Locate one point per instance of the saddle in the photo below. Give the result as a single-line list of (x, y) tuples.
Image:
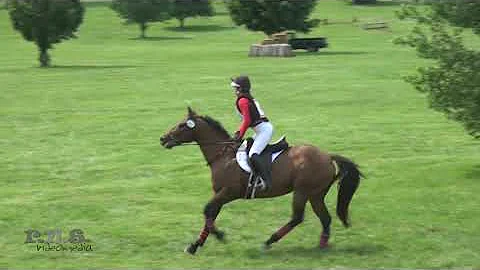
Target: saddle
[(268, 156), (277, 146)]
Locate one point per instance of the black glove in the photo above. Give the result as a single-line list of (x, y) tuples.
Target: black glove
[(236, 137)]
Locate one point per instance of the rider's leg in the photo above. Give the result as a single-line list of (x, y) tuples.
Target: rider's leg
[(263, 135)]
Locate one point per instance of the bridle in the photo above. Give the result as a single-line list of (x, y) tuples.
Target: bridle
[(179, 143)]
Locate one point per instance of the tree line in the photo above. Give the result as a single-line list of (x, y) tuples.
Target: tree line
[(48, 22), (452, 82)]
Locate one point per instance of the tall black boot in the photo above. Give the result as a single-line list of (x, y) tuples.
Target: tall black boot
[(261, 168)]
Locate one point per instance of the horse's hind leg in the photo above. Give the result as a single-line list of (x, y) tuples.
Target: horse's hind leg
[(320, 209), (219, 234), (299, 201)]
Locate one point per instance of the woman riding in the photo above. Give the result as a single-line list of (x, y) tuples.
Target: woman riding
[(253, 116)]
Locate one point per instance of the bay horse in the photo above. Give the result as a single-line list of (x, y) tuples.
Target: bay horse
[(303, 169)]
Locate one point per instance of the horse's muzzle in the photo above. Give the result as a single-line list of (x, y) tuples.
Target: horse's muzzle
[(168, 142), (162, 140)]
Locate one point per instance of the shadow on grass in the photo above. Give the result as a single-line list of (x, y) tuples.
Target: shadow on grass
[(379, 3), (222, 13), (159, 38), (85, 67), (199, 28), (65, 67), (474, 173), (99, 3), (315, 252), (326, 53)]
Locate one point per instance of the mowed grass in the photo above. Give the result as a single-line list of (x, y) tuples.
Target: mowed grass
[(79, 147)]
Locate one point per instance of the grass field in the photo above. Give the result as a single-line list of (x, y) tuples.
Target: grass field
[(79, 147)]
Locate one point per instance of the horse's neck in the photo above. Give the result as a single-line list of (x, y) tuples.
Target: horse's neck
[(213, 146)]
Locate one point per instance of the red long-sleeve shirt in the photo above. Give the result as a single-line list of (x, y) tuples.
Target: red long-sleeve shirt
[(247, 120)]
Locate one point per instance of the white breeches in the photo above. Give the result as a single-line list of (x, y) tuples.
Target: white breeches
[(263, 135)]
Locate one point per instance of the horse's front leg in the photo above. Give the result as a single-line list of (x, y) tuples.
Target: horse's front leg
[(211, 211)]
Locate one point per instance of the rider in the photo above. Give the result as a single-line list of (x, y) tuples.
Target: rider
[(253, 116)]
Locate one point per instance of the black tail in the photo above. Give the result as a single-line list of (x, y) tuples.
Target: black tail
[(349, 181)]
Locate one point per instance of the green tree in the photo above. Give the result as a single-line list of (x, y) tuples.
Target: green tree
[(182, 9), (142, 12), (452, 83), (271, 16), (46, 22), (462, 13)]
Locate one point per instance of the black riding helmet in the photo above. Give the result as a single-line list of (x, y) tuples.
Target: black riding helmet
[(242, 83)]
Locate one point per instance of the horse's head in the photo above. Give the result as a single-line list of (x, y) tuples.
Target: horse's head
[(183, 132)]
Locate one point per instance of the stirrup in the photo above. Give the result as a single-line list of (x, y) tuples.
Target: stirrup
[(260, 183), (255, 182)]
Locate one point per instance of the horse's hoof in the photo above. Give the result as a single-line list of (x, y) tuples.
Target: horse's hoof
[(191, 249), (220, 236), (324, 241), (267, 246)]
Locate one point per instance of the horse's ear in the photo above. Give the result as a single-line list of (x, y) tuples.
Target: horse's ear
[(191, 112)]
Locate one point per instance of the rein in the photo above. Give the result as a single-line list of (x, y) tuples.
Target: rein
[(221, 154), (228, 144), (207, 143), (179, 143)]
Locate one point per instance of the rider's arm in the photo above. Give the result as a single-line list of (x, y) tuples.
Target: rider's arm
[(243, 105)]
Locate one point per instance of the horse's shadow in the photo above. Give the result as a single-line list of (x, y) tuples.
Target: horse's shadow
[(315, 252)]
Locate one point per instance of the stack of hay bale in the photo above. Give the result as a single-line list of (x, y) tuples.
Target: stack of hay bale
[(276, 46)]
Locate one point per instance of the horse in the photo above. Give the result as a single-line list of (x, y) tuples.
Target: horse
[(302, 169)]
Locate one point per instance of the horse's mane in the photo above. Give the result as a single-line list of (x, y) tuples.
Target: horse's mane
[(215, 124)]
